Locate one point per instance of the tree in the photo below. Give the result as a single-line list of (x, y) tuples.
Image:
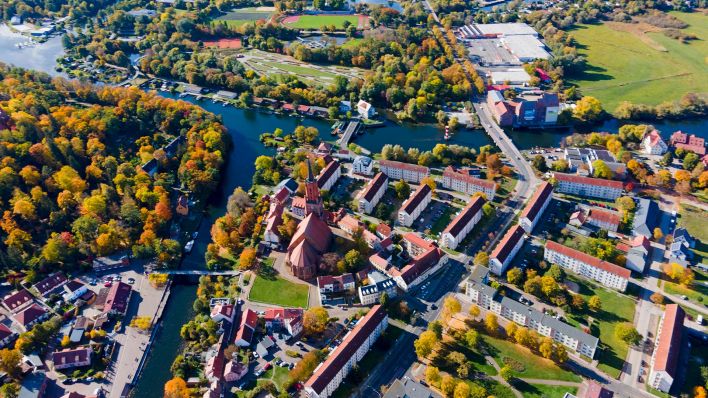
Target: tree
[(10, 361), (657, 298), (429, 181), (474, 311), (515, 276), (699, 392), (676, 272), (65, 341), (471, 338), (588, 109), (247, 259), (506, 373), (539, 163), (447, 385), (600, 169), (690, 161), (403, 190), (481, 258), (595, 304), (556, 272), (10, 390), (627, 333), (352, 260), (578, 303), (546, 348), (462, 390), (176, 388), (437, 328), (658, 234), (315, 321), (432, 375), (425, 343), (451, 306), (491, 323)]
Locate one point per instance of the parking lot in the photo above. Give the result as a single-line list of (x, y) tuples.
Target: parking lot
[(435, 217)]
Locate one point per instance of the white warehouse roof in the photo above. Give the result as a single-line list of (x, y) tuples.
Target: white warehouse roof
[(506, 29), (525, 47), (513, 76)]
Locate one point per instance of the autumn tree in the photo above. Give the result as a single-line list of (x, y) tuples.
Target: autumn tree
[(176, 388), (10, 361), (315, 321), (491, 323), (481, 258), (425, 343), (247, 259), (657, 298), (627, 333), (451, 306), (595, 304)]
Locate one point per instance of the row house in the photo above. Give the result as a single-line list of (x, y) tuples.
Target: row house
[(536, 206), (7, 336), (413, 206), (403, 171), (458, 180), (607, 274), (247, 328), (479, 292), (351, 225), (329, 375), (72, 358), (51, 284), (463, 224), (587, 186), (505, 250), (329, 285), (370, 196), (665, 358), (329, 175)]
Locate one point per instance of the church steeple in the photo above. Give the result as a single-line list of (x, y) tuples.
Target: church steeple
[(313, 200)]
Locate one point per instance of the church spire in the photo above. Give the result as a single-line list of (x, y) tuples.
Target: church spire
[(310, 176)]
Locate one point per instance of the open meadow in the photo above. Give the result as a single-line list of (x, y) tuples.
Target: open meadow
[(638, 63), (240, 16), (317, 21)]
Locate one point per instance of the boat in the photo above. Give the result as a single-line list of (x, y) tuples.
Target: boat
[(447, 133), (188, 247)]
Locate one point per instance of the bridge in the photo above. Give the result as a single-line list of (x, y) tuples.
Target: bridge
[(352, 128), (198, 272)]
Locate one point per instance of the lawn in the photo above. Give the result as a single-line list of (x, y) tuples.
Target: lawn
[(616, 309), (698, 358), (534, 367), (317, 21), (697, 291), (442, 222), (272, 289), (632, 67), (240, 16), (542, 390), (299, 70), (694, 220)]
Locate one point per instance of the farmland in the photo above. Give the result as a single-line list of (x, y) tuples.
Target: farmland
[(639, 66)]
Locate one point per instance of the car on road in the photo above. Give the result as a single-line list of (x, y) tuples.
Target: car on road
[(69, 381), (108, 284), (131, 281), (433, 307)]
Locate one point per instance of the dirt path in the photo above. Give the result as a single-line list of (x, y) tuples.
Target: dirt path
[(639, 30)]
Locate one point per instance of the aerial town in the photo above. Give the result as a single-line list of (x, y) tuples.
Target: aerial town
[(362, 198)]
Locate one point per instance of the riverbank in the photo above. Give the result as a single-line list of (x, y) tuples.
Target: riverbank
[(40, 56)]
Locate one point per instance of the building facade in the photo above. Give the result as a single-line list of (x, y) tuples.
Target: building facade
[(607, 274), (372, 194), (665, 358), (329, 176), (463, 224), (505, 251), (403, 171), (411, 208), (462, 182), (363, 165), (652, 144), (587, 186), (536, 206)]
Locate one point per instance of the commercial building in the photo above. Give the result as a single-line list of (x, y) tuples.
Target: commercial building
[(580, 161), (462, 224), (607, 274), (370, 196), (403, 171), (536, 206), (414, 205), (363, 165), (525, 48), (330, 374), (479, 292), (331, 285), (495, 30), (692, 143), (512, 77), (462, 181), (505, 250), (529, 110), (329, 175), (378, 285), (665, 358), (652, 144), (587, 186)]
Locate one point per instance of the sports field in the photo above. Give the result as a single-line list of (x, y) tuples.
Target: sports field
[(644, 67), (317, 21), (240, 16)]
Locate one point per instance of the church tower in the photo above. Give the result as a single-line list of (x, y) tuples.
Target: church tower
[(313, 200)]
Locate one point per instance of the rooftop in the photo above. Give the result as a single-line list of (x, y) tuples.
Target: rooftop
[(533, 207), (588, 259), (414, 201), (503, 249), (467, 214), (669, 345)]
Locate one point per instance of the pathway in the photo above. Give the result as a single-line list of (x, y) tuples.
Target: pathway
[(500, 379)]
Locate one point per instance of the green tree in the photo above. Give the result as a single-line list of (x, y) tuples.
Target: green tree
[(595, 304), (588, 109), (627, 333), (515, 276), (600, 169), (506, 373), (481, 258), (403, 190), (556, 272), (539, 163)]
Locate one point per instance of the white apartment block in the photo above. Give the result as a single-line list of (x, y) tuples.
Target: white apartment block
[(607, 274), (329, 175), (363, 165), (403, 171), (463, 224), (413, 206), (329, 375), (463, 182), (664, 359), (536, 206), (370, 196), (652, 144), (506, 250), (479, 292), (587, 186)]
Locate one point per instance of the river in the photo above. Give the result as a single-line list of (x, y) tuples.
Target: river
[(41, 57)]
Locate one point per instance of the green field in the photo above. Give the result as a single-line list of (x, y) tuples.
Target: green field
[(272, 289), (240, 16), (542, 390), (317, 21), (694, 220), (623, 67)]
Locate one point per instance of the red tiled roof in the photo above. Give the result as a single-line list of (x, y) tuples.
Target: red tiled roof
[(604, 216), (299, 202), (314, 231), (17, 300), (340, 356), (327, 173), (288, 107), (350, 223), (654, 137), (467, 214), (384, 229), (417, 240), (456, 175), (537, 200), (595, 390), (588, 259), (250, 319), (403, 166), (412, 203), (118, 298), (421, 264), (669, 345), (226, 310), (71, 356), (507, 243), (572, 178), (374, 186), (31, 314), (50, 283), (5, 332)]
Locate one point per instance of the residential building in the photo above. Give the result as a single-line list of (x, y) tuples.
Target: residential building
[(525, 110), (506, 249), (587, 186), (679, 253), (363, 165), (289, 320), (636, 253), (596, 390), (247, 328), (34, 385), (49, 285), (427, 258), (665, 358), (118, 298), (581, 161), (329, 285), (7, 336), (682, 236), (462, 224), (329, 175), (462, 181), (223, 312), (311, 239), (74, 289), (365, 109), (234, 371), (378, 285), (17, 301), (646, 217), (31, 315), (536, 206), (330, 374), (403, 171), (479, 292), (596, 217), (370, 196), (607, 274), (273, 221), (323, 149), (414, 205), (72, 358), (652, 144), (407, 388), (182, 207), (692, 143)]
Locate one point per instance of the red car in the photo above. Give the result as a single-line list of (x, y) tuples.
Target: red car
[(267, 366), (107, 284)]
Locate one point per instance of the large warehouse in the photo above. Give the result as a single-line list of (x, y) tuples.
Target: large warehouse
[(506, 44), (491, 30)]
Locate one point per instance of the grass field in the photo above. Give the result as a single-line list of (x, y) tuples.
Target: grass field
[(616, 309), (317, 21), (240, 16), (542, 390), (535, 367), (695, 220), (697, 358), (629, 66), (272, 289)]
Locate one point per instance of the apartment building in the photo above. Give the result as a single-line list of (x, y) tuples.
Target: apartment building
[(414, 205), (607, 274), (665, 358), (479, 292), (378, 285), (536, 206), (426, 258), (505, 250), (653, 144), (403, 171), (463, 224), (372, 194), (330, 374), (459, 180), (329, 175), (587, 186)]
